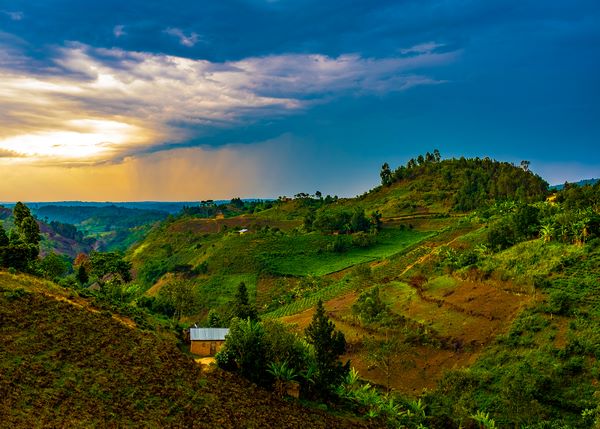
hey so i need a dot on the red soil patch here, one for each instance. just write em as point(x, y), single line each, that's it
point(465, 318)
point(486, 300)
point(420, 367)
point(335, 308)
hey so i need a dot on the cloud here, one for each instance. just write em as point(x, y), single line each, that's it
point(14, 15)
point(99, 105)
point(188, 41)
point(422, 48)
point(119, 31)
point(183, 174)
point(4, 153)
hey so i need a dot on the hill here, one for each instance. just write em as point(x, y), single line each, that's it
point(468, 253)
point(64, 363)
point(456, 283)
point(110, 227)
point(579, 183)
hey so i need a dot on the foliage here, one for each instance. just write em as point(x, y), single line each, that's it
point(369, 307)
point(109, 263)
point(20, 249)
point(329, 345)
point(180, 295)
point(53, 266)
point(245, 350)
point(241, 306)
point(472, 183)
point(387, 408)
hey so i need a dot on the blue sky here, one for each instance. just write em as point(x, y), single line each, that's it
point(161, 100)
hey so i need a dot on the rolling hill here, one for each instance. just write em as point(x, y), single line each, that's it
point(454, 303)
point(457, 283)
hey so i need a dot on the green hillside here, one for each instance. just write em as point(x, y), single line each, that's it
point(466, 292)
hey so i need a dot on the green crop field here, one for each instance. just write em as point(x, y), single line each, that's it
point(302, 259)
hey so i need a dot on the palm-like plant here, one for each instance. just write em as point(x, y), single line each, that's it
point(484, 420)
point(283, 374)
point(547, 232)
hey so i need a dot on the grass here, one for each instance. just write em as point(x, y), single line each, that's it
point(303, 256)
point(440, 284)
point(300, 305)
point(220, 290)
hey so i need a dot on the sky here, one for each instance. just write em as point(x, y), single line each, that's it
point(189, 100)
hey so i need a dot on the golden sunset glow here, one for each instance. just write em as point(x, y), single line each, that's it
point(87, 141)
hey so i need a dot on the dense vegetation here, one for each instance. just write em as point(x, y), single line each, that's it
point(463, 276)
point(107, 227)
point(468, 183)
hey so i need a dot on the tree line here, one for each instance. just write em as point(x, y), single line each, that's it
point(468, 183)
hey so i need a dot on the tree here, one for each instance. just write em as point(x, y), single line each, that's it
point(358, 221)
point(436, 155)
point(31, 231)
point(214, 319)
point(20, 213)
point(245, 350)
point(181, 295)
point(369, 307)
point(386, 174)
point(103, 263)
point(547, 232)
point(242, 307)
point(329, 345)
point(375, 221)
point(4, 241)
point(82, 275)
point(308, 220)
point(54, 266)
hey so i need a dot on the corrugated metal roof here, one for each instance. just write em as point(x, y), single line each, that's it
point(208, 334)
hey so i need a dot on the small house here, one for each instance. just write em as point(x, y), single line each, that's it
point(207, 341)
point(243, 231)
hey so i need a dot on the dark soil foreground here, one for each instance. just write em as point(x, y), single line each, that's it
point(62, 365)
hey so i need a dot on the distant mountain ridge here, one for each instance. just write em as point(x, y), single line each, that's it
point(580, 183)
point(171, 207)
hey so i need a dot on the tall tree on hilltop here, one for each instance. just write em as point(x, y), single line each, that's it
point(386, 174)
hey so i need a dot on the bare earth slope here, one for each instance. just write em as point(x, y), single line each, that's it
point(62, 365)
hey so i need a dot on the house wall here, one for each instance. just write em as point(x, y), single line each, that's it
point(206, 348)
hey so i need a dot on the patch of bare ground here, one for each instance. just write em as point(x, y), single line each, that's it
point(461, 322)
point(418, 368)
